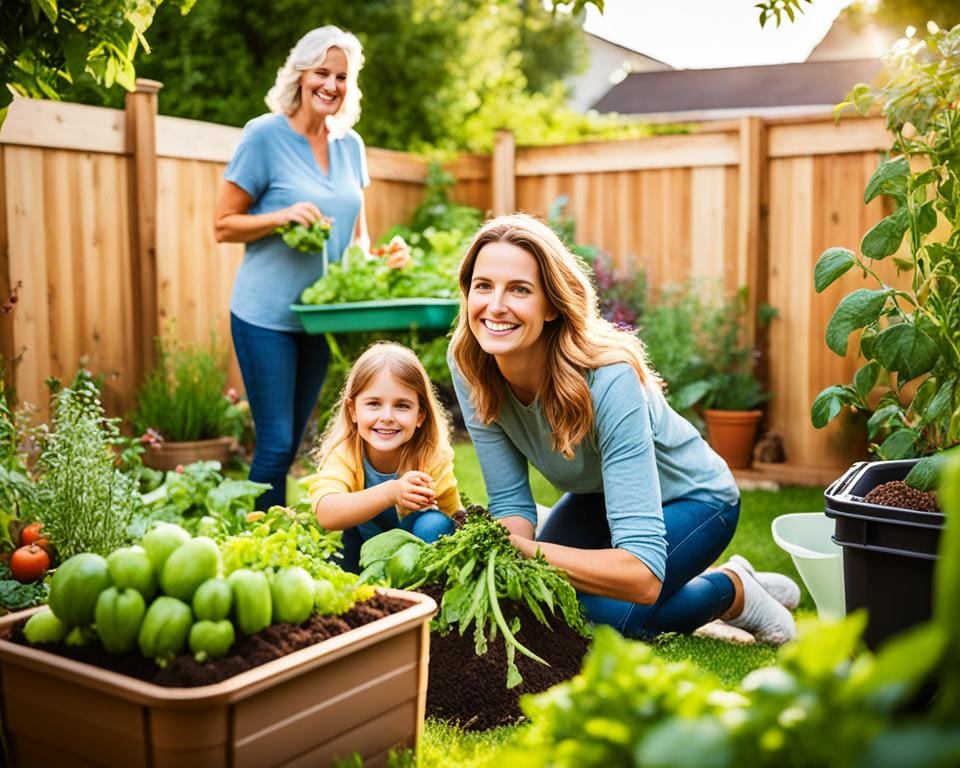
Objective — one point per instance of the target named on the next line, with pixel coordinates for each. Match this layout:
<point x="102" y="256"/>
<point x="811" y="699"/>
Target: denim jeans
<point x="426" y="524"/>
<point x="282" y="374"/>
<point x="697" y="532"/>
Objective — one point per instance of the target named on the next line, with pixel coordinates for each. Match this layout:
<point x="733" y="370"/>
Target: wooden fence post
<point x="504" y="172"/>
<point x="141" y="145"/>
<point x="7" y="290"/>
<point x="751" y="232"/>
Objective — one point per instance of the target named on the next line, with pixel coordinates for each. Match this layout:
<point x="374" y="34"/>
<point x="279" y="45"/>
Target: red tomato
<point x="29" y="563"/>
<point x="30" y="534"/>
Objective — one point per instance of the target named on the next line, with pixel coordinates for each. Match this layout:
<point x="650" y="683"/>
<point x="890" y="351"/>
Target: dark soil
<point x="248" y="652"/>
<point x="472" y="690"/>
<point x="897" y="493"/>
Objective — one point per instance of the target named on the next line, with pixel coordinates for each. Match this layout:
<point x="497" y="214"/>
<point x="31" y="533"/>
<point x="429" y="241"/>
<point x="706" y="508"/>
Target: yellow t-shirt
<point x="342" y="472"/>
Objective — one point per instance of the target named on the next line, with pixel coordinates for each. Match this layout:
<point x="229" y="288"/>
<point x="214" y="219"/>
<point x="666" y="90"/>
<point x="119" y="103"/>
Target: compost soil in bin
<point x="472" y="690"/>
<point x="248" y="652"/>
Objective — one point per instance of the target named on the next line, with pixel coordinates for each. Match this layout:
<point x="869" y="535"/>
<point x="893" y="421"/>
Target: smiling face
<point x="507" y="305"/>
<point x="323" y="87"/>
<point x="387" y="414"/>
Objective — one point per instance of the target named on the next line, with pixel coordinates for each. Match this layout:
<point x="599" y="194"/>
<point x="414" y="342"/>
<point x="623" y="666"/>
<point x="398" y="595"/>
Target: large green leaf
<point x="907" y="350"/>
<point x="900" y="445"/>
<point x="828" y="405"/>
<point x="865" y="378"/>
<point x="832" y="263"/>
<point x="886" y="235"/>
<point x="927" y="218"/>
<point x="926" y="473"/>
<point x="939" y="406"/>
<point x="897" y="168"/>
<point x="882" y="418"/>
<point x="857" y="310"/>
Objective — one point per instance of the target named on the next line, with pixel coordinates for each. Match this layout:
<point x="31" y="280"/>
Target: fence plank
<point x="60" y="125"/>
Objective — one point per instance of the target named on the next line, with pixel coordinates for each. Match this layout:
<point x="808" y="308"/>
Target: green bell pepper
<point x="164" y="631"/>
<point x="118" y="616"/>
<point x="44" y="627"/>
<point x="212" y="600"/>
<point x="75" y="587"/>
<point x="211" y="639"/>
<point x="292" y="591"/>
<point x="252" y="604"/>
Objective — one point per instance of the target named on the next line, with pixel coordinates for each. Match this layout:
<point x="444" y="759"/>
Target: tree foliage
<point x="438" y="73"/>
<point x="45" y="44"/>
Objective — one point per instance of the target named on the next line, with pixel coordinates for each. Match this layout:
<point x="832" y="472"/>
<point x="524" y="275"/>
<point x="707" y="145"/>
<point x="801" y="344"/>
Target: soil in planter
<point x="897" y="493"/>
<point x="248" y="652"/>
<point x="471" y="690"/>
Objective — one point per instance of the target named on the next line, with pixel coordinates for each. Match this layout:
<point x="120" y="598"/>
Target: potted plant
<point x="185" y="411"/>
<point x="907" y="335"/>
<point x="723" y="387"/>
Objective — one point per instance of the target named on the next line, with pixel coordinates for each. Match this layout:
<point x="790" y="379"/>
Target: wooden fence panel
<point x="677" y="206"/>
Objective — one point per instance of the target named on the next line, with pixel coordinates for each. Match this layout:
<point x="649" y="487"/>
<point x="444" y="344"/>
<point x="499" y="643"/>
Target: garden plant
<point x="908" y="337"/>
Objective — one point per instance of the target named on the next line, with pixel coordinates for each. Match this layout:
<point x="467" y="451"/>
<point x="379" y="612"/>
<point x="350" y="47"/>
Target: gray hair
<point x="309" y="52"/>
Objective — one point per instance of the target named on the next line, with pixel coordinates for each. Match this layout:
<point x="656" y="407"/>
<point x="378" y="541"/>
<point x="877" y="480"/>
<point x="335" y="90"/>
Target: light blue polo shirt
<point x="641" y="455"/>
<point x="276" y="167"/>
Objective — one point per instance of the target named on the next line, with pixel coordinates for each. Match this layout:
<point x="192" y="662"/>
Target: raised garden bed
<point x="287" y="695"/>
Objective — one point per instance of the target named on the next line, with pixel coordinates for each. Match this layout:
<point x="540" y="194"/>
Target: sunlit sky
<point x="701" y="34"/>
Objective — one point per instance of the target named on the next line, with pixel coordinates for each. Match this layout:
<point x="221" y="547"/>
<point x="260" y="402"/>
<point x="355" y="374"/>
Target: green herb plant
<point x="84" y="500"/>
<point x="17" y="491"/>
<point x="305" y="239"/>
<point x="912" y="334"/>
<point x="185" y="396"/>
<point x="478" y="568"/>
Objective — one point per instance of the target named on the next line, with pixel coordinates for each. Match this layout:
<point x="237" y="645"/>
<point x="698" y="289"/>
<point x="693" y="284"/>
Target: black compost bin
<point x="889" y="553"/>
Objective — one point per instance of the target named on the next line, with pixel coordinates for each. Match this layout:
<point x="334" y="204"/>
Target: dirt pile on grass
<point x="471" y="690"/>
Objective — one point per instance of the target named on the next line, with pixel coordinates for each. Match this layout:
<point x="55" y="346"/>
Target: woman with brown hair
<point x="542" y="378"/>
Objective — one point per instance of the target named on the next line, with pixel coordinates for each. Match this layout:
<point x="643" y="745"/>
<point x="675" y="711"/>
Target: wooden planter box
<point x="169" y="455"/>
<point x="363" y="691"/>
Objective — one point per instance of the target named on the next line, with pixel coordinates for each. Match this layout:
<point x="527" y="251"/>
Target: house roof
<point x="775" y="86"/>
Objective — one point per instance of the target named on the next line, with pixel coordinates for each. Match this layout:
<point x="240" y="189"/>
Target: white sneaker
<point x="762" y="615"/>
<point x="781" y="587"/>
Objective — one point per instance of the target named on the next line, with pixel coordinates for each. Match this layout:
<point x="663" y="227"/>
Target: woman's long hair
<point x="309" y="52"/>
<point x="578" y="340"/>
<point x="430" y="442"/>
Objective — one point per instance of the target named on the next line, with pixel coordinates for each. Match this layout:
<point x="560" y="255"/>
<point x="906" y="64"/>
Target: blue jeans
<point x="282" y="374"/>
<point x="697" y="532"/>
<point x="426" y="524"/>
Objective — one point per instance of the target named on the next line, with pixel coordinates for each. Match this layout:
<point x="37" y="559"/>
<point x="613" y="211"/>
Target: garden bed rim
<point x="232" y="689"/>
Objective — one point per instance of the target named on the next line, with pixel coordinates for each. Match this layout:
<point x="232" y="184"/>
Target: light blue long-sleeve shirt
<point x="641" y="455"/>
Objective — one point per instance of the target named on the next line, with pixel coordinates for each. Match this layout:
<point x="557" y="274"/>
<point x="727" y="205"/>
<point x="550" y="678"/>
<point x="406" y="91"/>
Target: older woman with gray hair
<point x="297" y="163"/>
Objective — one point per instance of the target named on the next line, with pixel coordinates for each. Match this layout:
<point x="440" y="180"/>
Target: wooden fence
<point x="106" y="225"/>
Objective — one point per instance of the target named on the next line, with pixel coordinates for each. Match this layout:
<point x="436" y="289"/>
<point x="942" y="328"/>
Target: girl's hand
<point x="414" y="490"/>
<point x="303" y="212"/>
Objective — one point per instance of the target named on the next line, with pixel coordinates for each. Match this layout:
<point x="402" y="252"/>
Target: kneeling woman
<point x="542" y="378"/>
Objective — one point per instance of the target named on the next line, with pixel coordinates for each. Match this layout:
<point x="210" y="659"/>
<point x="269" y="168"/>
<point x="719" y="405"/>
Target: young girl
<point x="542" y="378"/>
<point x="385" y="459"/>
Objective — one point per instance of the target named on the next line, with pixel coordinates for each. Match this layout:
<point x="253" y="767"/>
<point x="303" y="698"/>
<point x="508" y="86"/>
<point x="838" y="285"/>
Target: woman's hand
<point x="414" y="490"/>
<point x="527" y="547"/>
<point x="303" y="212"/>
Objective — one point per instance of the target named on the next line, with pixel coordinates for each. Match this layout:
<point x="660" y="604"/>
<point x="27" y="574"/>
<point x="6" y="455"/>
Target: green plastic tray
<point x="377" y="315"/>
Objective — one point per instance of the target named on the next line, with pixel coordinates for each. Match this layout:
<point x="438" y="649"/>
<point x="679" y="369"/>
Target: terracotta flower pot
<point x="731" y="434"/>
<point x="168" y="455"/>
<point x="361" y="691"/>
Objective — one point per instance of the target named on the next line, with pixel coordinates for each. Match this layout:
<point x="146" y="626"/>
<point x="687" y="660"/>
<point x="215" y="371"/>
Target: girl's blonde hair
<point x="430" y="442"/>
<point x="578" y="340"/>
<point x="309" y="52"/>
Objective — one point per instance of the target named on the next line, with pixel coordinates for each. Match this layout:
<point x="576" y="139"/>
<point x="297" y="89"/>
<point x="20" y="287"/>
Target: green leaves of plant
<point x="828" y="405"/>
<point x="890" y="178"/>
<point x="886" y="235"/>
<point x="857" y="310"/>
<point x="905" y="349"/>
<point x="832" y="263"/>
